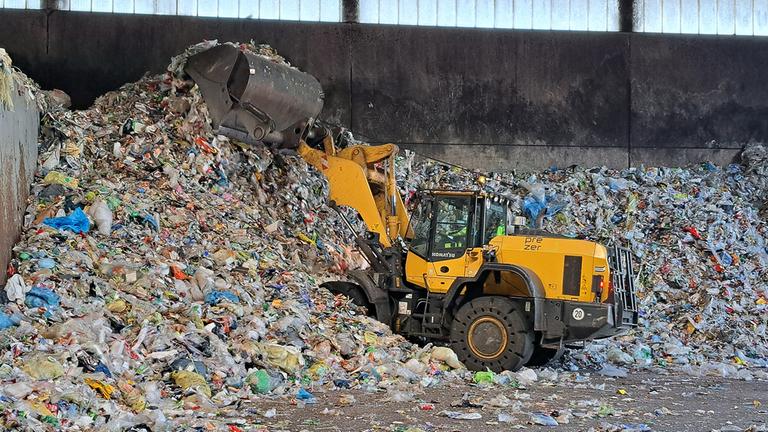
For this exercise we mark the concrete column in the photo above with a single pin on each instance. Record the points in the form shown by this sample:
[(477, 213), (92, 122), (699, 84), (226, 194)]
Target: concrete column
[(350, 11), (627, 16)]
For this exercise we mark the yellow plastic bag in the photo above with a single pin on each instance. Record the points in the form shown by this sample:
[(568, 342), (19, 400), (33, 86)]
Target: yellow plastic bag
[(286, 358), (43, 368), (370, 338), (103, 388), (189, 380), (57, 177)]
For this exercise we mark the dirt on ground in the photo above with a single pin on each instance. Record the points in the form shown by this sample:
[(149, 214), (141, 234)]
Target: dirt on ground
[(643, 401)]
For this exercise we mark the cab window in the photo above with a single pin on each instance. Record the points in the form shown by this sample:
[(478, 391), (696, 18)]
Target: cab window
[(421, 218), (495, 220), (451, 227)]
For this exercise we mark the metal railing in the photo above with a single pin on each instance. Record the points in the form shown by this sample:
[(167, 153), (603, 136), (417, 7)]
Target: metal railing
[(623, 285)]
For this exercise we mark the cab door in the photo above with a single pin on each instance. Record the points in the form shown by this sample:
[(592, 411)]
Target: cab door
[(437, 260), (417, 263)]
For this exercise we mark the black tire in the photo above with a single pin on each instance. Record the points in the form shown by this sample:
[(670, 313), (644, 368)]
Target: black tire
[(541, 356), (505, 339), (353, 292)]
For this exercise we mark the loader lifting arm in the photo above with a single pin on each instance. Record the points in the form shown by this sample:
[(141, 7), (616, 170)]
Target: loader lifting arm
[(363, 177), (253, 99)]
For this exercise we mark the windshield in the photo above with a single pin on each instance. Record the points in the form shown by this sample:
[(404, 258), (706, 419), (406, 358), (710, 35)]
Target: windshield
[(451, 227)]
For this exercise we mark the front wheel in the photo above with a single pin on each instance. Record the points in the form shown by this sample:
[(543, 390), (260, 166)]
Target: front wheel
[(491, 333), (353, 292)]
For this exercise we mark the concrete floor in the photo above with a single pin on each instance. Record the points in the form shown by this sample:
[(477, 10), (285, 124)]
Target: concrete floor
[(661, 402)]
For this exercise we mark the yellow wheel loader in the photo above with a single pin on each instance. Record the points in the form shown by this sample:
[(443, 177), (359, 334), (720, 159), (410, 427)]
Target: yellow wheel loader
[(459, 271)]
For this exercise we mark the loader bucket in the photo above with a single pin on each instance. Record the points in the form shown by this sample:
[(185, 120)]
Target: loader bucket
[(251, 98)]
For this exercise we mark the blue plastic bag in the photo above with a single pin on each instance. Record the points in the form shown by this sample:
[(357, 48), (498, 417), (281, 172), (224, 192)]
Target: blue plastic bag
[(46, 263), (77, 222), (42, 297), (532, 207), (306, 396), (8, 321), (152, 222), (216, 297)]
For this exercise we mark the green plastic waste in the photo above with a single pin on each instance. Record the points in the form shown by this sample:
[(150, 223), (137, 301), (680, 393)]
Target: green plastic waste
[(259, 382), (485, 377)]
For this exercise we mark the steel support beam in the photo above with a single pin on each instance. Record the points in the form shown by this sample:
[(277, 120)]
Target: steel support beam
[(627, 16), (350, 11)]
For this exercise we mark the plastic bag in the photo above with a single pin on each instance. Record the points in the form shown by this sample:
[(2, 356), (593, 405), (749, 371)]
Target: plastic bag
[(102, 215), (76, 222), (216, 297), (56, 177), (617, 356), (189, 380), (447, 356), (484, 377), (42, 368), (42, 297), (7, 321), (16, 289), (286, 358), (543, 419)]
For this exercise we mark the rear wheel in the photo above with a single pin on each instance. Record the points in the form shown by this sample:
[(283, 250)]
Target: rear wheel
[(491, 333)]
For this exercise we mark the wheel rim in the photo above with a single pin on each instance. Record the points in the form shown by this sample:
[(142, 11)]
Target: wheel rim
[(487, 338)]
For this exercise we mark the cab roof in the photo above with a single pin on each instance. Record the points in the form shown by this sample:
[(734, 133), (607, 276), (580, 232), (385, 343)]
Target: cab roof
[(477, 193)]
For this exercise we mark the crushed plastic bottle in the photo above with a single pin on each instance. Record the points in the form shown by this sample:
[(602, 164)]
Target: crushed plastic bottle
[(543, 419)]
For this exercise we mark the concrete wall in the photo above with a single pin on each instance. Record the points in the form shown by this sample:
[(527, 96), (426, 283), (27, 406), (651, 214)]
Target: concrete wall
[(495, 99), (18, 158)]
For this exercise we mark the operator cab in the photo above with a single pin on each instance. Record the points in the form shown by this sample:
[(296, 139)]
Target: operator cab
[(447, 223), (450, 229)]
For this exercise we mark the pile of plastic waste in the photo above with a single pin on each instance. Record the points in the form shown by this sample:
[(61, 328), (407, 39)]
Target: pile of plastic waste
[(699, 235), (166, 275)]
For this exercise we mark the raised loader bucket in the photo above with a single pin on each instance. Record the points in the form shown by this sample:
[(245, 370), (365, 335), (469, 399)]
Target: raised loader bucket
[(251, 98)]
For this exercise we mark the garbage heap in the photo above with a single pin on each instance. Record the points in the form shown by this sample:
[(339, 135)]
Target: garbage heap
[(165, 275), (700, 241)]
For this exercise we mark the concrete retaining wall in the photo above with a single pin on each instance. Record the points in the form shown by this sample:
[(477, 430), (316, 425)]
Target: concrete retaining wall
[(18, 158), (495, 99)]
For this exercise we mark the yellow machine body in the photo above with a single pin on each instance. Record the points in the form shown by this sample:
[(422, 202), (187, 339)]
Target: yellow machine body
[(545, 256)]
